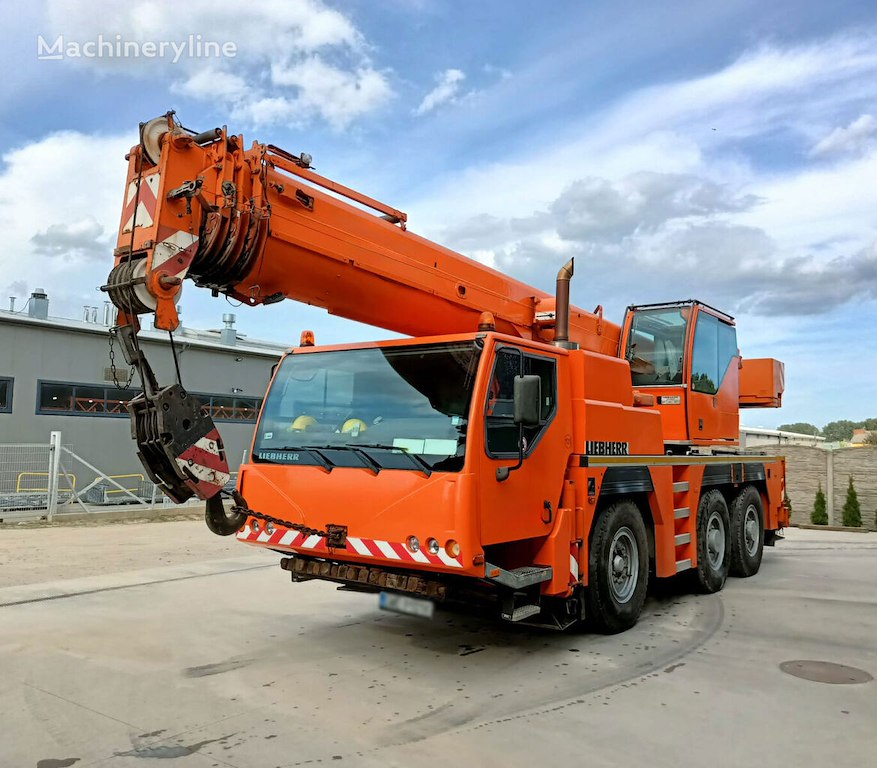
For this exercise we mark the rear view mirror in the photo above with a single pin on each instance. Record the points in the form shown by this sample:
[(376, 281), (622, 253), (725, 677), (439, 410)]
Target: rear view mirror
[(528, 400)]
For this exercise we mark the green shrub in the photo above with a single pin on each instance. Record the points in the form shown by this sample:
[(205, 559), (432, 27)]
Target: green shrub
[(819, 515), (852, 514)]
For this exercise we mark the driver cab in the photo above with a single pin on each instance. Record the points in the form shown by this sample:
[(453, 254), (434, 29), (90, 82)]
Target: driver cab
[(684, 356)]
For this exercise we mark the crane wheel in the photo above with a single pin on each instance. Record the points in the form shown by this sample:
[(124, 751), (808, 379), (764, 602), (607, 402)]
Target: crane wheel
[(747, 532), (713, 543), (221, 521), (618, 569)]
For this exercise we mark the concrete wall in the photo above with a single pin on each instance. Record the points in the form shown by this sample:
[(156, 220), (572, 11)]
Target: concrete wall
[(807, 467), (30, 352)]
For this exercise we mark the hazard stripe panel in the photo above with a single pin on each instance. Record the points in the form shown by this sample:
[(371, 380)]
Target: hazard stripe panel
[(285, 539)]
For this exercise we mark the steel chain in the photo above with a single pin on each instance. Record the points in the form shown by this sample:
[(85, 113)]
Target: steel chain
[(285, 523), (113, 369)]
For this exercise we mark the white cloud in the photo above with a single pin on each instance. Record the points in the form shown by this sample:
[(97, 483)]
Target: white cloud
[(294, 62), (446, 91), (854, 138), (59, 213)]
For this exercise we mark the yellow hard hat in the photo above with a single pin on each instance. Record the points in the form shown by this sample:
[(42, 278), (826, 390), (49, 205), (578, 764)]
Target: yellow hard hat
[(302, 423), (353, 426)]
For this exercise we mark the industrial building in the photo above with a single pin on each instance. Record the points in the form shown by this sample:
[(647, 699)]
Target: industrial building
[(56, 375)]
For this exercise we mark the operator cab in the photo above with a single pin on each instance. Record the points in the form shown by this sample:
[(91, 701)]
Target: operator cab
[(684, 354)]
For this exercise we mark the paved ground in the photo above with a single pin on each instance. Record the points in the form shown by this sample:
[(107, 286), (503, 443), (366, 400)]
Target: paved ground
[(124, 644)]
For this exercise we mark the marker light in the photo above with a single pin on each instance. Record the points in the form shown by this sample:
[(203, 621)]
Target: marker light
[(452, 548), (413, 543), (432, 546)]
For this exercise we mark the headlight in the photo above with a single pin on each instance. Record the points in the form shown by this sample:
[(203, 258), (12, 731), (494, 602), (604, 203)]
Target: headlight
[(413, 543), (432, 546)]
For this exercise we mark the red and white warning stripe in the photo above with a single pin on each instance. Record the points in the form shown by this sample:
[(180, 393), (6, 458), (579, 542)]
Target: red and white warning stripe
[(283, 538), (146, 202), (574, 563), (207, 463)]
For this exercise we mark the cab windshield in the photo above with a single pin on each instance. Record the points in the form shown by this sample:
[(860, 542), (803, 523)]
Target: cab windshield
[(379, 408), (656, 345)]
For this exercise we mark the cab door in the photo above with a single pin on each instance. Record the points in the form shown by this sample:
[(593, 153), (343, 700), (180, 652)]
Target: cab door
[(523, 505), (714, 380)]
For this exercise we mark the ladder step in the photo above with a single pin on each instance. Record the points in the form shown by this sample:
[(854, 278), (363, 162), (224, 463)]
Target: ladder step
[(682, 513), (683, 538), (522, 612), (680, 487), (683, 565)]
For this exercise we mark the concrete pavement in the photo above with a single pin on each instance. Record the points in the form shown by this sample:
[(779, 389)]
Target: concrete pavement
[(196, 651)]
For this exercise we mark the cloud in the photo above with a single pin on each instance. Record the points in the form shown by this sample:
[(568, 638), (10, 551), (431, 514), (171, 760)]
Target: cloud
[(597, 209), (59, 212), (446, 91), (83, 237), (854, 138), (293, 62)]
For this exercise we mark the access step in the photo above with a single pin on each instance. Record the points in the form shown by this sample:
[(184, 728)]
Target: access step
[(682, 538), (522, 612), (518, 578), (683, 565), (680, 487), (681, 513)]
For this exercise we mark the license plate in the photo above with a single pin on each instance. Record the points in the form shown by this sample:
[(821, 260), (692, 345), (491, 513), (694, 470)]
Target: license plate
[(411, 606)]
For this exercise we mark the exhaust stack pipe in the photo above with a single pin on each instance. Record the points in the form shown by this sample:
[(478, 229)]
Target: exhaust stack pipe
[(561, 306)]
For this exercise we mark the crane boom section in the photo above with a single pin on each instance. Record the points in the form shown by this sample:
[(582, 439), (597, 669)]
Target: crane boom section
[(260, 225)]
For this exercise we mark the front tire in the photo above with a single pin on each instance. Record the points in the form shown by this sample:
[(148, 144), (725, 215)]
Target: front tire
[(747, 532), (618, 569), (713, 543)]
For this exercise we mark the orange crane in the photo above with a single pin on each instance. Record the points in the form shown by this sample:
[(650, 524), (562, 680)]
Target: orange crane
[(514, 451)]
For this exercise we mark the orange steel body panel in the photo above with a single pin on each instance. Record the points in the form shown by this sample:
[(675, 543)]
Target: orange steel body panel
[(762, 381)]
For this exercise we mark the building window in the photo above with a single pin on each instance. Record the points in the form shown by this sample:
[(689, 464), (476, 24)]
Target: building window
[(97, 400), (224, 408), (5, 395)]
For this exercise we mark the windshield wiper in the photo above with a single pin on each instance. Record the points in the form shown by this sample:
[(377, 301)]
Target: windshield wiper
[(373, 465), (324, 462), (417, 459)]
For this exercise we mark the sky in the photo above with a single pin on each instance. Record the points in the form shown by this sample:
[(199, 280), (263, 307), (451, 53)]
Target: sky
[(719, 151)]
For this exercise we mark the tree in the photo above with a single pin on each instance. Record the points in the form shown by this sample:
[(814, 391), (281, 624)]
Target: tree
[(838, 430), (802, 427), (819, 516), (852, 514)]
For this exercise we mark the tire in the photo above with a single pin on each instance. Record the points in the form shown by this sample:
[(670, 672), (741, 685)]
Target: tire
[(713, 543), (618, 569), (747, 532)]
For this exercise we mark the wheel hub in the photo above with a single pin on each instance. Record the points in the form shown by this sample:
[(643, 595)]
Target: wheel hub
[(623, 565), (751, 532), (715, 541)]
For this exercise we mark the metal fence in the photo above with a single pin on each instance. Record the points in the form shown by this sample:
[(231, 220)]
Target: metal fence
[(45, 480)]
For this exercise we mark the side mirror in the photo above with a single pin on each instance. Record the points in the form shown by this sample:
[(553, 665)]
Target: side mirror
[(528, 400), (528, 413)]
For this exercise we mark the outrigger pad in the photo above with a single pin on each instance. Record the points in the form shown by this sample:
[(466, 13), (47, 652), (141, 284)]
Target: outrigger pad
[(178, 444)]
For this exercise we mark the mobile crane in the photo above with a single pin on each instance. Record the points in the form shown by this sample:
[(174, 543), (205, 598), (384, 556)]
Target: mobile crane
[(515, 452)]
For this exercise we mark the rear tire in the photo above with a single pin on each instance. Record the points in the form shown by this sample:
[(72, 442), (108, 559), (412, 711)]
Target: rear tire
[(618, 569), (713, 543), (747, 532)]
